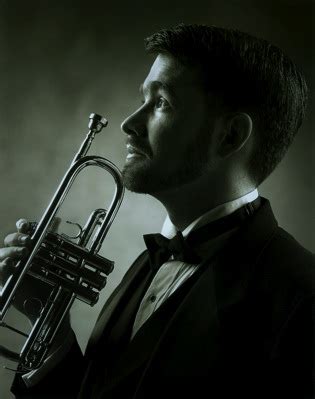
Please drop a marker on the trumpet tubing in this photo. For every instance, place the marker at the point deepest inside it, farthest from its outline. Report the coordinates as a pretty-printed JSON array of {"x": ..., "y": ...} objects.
[{"x": 72, "y": 269}]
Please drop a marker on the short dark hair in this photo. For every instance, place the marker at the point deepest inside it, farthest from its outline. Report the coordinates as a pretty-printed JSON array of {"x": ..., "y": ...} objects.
[{"x": 249, "y": 74}]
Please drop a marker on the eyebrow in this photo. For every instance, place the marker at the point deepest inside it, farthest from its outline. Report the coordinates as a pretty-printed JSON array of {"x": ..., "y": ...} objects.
[{"x": 156, "y": 84}]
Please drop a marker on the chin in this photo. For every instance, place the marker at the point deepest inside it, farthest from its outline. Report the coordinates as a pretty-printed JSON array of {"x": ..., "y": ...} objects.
[
  {"x": 136, "y": 179},
  {"x": 142, "y": 178},
  {"x": 146, "y": 183}
]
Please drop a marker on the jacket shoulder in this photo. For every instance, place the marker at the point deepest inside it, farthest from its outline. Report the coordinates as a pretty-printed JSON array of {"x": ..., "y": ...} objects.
[{"x": 289, "y": 264}]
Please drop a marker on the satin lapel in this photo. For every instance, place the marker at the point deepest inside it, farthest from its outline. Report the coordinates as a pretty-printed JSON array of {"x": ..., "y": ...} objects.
[
  {"x": 113, "y": 302},
  {"x": 243, "y": 254}
]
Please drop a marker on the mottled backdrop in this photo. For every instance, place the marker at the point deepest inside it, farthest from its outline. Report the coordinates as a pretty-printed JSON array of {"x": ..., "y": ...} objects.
[{"x": 61, "y": 60}]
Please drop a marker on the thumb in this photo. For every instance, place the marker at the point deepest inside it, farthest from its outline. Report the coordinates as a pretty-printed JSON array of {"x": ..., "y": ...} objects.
[{"x": 22, "y": 225}]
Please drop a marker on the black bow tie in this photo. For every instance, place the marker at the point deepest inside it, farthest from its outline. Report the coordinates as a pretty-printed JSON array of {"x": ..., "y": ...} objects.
[{"x": 161, "y": 248}]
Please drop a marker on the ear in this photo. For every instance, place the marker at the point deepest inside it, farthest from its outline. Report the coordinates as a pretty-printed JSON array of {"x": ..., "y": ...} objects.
[{"x": 238, "y": 128}]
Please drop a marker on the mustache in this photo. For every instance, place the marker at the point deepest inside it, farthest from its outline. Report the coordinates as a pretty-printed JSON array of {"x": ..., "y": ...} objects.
[{"x": 140, "y": 146}]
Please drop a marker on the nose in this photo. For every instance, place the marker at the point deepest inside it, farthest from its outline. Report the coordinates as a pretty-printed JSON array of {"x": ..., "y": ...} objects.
[{"x": 135, "y": 124}]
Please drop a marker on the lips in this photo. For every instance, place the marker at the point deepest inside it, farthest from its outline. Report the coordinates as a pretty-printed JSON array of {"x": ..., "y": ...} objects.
[{"x": 134, "y": 151}]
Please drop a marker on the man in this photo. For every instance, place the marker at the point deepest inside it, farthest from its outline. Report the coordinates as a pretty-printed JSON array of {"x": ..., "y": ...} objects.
[{"x": 223, "y": 309}]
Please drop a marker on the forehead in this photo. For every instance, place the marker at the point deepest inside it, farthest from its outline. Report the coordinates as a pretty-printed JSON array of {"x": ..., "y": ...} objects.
[{"x": 168, "y": 73}]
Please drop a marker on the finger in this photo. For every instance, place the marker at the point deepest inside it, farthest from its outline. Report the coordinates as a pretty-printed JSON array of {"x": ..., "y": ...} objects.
[
  {"x": 13, "y": 253},
  {"x": 6, "y": 269},
  {"x": 22, "y": 225},
  {"x": 16, "y": 239}
]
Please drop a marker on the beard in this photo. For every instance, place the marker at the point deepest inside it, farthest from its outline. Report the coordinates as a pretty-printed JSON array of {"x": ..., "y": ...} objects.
[{"x": 148, "y": 177}]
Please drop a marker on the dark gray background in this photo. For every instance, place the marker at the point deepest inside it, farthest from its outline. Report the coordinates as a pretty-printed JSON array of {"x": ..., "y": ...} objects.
[{"x": 61, "y": 60}]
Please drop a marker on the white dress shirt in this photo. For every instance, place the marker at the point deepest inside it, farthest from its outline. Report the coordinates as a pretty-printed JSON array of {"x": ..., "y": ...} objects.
[{"x": 172, "y": 274}]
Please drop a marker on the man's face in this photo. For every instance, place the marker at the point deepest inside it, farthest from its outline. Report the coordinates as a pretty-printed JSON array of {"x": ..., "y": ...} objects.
[{"x": 168, "y": 137}]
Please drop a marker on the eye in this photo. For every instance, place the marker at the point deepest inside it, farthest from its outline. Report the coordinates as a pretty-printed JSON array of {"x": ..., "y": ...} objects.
[{"x": 161, "y": 103}]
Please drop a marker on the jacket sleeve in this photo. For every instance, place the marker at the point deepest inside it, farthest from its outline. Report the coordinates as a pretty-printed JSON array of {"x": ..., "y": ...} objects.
[{"x": 62, "y": 381}]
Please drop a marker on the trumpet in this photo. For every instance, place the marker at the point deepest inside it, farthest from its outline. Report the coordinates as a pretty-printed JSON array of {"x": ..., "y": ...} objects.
[{"x": 72, "y": 268}]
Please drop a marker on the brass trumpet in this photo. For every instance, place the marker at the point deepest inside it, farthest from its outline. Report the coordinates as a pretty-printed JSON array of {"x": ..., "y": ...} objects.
[{"x": 73, "y": 269}]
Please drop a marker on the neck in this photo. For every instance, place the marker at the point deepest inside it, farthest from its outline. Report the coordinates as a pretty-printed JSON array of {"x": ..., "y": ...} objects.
[{"x": 186, "y": 203}]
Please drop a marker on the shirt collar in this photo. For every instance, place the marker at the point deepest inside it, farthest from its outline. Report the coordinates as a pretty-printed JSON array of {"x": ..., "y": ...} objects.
[{"x": 169, "y": 230}]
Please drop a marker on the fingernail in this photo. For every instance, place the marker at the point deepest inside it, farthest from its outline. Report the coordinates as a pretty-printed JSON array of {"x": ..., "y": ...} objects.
[
  {"x": 20, "y": 224},
  {"x": 22, "y": 251},
  {"x": 23, "y": 239}
]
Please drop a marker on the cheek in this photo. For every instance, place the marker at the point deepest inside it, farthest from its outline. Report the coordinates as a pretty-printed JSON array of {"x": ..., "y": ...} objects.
[
  {"x": 163, "y": 132},
  {"x": 172, "y": 134}
]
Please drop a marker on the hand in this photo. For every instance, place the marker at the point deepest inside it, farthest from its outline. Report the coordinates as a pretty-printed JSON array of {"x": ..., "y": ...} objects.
[
  {"x": 32, "y": 290},
  {"x": 15, "y": 248}
]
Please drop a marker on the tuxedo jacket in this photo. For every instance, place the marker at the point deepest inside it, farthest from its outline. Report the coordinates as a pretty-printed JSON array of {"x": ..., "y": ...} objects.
[{"x": 241, "y": 326}]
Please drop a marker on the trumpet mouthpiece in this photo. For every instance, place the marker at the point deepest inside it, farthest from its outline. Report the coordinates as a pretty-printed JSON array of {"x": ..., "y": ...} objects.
[{"x": 97, "y": 122}]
